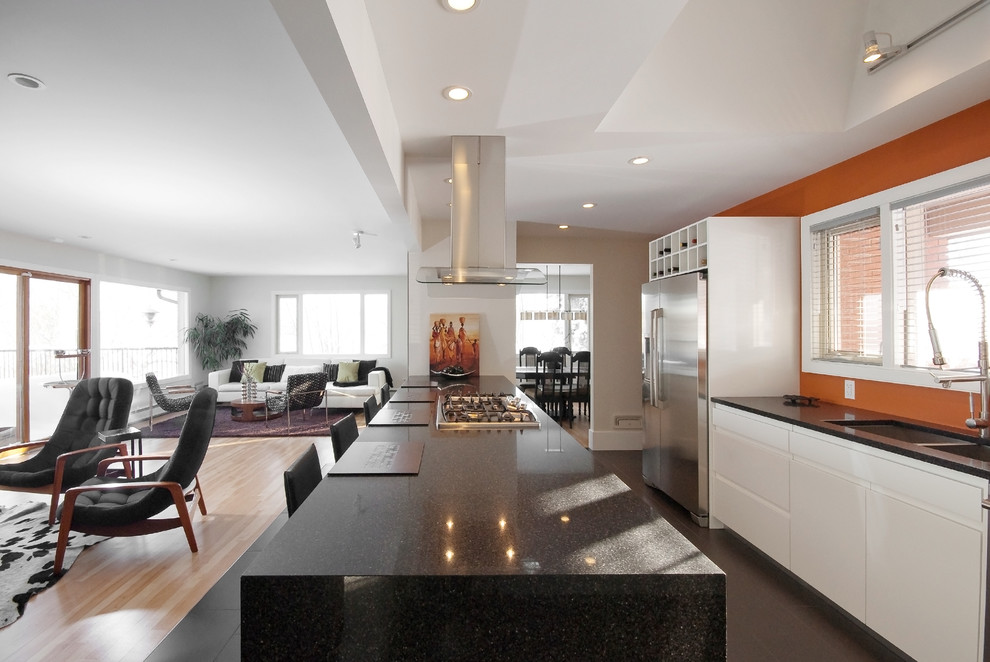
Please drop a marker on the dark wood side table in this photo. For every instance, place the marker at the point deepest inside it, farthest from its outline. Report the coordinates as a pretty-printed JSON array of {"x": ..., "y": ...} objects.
[{"x": 131, "y": 434}]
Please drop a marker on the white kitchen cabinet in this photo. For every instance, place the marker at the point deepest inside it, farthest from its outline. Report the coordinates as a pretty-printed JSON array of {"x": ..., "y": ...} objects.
[
  {"x": 750, "y": 483},
  {"x": 828, "y": 535},
  {"x": 898, "y": 543},
  {"x": 923, "y": 586}
]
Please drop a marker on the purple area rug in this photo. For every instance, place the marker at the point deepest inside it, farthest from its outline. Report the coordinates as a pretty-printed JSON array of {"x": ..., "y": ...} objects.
[{"x": 315, "y": 424}]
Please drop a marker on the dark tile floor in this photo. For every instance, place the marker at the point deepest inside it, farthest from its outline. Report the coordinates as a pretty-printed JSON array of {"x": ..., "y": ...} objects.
[{"x": 771, "y": 615}]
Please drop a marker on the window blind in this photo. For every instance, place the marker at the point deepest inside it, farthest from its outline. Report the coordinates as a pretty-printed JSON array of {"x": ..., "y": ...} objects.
[
  {"x": 846, "y": 290},
  {"x": 948, "y": 228}
]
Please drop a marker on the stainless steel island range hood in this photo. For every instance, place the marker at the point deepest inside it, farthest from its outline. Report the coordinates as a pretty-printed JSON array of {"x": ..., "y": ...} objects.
[{"x": 477, "y": 219}]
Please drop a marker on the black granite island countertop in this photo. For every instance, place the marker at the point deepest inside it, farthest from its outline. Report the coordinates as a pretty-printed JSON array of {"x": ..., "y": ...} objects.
[
  {"x": 508, "y": 544},
  {"x": 817, "y": 418}
]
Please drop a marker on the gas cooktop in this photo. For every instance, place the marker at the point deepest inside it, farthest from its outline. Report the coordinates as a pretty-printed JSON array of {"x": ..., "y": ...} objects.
[{"x": 484, "y": 411}]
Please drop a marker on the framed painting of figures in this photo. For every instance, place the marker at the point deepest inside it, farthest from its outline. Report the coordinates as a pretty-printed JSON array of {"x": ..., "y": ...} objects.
[{"x": 455, "y": 343}]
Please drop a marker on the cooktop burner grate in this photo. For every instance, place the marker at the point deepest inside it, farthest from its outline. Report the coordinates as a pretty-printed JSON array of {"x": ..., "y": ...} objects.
[{"x": 484, "y": 411}]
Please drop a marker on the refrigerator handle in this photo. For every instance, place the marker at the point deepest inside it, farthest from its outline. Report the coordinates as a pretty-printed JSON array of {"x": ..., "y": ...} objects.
[{"x": 656, "y": 363}]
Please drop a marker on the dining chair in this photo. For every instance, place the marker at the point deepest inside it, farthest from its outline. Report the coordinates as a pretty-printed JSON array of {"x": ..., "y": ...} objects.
[
  {"x": 528, "y": 357},
  {"x": 565, "y": 355},
  {"x": 581, "y": 384},
  {"x": 553, "y": 387},
  {"x": 371, "y": 407},
  {"x": 301, "y": 478},
  {"x": 343, "y": 433},
  {"x": 386, "y": 394}
]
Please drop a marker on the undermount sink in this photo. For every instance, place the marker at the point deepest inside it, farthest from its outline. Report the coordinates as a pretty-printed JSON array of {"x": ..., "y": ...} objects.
[{"x": 915, "y": 434}]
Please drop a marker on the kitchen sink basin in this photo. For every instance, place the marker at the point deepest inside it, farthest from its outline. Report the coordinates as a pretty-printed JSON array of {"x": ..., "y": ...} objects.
[
  {"x": 967, "y": 449},
  {"x": 913, "y": 434}
]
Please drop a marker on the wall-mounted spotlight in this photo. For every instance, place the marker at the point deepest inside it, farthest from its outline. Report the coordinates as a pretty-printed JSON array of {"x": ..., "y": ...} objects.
[
  {"x": 873, "y": 51},
  {"x": 357, "y": 234}
]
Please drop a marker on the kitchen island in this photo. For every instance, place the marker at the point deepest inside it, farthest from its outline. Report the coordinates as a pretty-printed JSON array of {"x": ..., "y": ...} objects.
[{"x": 507, "y": 544}]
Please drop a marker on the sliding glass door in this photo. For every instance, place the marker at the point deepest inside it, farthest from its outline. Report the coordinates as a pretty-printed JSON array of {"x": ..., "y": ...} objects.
[
  {"x": 44, "y": 345},
  {"x": 9, "y": 424}
]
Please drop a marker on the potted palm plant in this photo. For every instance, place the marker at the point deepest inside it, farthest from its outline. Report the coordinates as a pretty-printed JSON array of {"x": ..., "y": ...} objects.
[{"x": 218, "y": 340}]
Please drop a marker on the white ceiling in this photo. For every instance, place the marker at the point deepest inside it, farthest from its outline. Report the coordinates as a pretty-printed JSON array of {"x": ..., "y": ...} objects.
[{"x": 255, "y": 136}]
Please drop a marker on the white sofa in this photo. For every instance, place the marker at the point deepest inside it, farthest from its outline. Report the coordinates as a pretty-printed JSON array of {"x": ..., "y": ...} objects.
[{"x": 337, "y": 397}]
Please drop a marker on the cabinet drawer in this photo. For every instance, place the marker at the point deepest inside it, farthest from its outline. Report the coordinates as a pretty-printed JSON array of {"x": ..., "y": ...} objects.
[
  {"x": 755, "y": 467},
  {"x": 756, "y": 428},
  {"x": 759, "y": 522},
  {"x": 950, "y": 493}
]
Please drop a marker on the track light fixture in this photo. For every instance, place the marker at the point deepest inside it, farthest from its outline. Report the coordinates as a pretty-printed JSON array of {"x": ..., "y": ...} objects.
[
  {"x": 873, "y": 51},
  {"x": 357, "y": 234}
]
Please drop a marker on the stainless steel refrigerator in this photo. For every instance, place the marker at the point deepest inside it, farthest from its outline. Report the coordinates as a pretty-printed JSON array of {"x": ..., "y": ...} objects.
[{"x": 675, "y": 390}]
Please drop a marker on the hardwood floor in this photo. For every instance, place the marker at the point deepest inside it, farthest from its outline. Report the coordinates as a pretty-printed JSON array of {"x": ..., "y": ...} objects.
[{"x": 122, "y": 596}]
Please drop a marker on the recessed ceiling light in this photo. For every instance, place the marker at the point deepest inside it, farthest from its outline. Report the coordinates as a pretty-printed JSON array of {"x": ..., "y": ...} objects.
[
  {"x": 563, "y": 227},
  {"x": 24, "y": 80},
  {"x": 639, "y": 160},
  {"x": 456, "y": 93},
  {"x": 459, "y": 5},
  {"x": 449, "y": 180},
  {"x": 589, "y": 205},
  {"x": 56, "y": 240}
]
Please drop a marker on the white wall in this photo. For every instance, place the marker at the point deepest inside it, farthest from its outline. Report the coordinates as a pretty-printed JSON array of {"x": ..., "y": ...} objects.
[
  {"x": 619, "y": 268},
  {"x": 256, "y": 294}
]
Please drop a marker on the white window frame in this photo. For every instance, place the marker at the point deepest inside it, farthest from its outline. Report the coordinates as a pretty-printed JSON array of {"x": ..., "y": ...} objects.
[
  {"x": 300, "y": 331},
  {"x": 888, "y": 370}
]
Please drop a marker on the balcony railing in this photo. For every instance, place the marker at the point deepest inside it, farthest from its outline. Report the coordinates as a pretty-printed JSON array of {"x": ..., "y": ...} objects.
[{"x": 132, "y": 362}]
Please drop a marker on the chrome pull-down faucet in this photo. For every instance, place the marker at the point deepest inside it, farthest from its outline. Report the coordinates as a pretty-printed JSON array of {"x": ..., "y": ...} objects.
[{"x": 983, "y": 422}]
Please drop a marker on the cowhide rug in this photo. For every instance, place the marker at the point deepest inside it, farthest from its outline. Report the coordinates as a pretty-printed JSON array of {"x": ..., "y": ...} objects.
[{"x": 27, "y": 556}]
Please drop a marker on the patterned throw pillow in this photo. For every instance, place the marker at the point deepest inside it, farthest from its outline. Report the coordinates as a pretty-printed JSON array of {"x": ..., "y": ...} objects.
[
  {"x": 330, "y": 369},
  {"x": 273, "y": 373}
]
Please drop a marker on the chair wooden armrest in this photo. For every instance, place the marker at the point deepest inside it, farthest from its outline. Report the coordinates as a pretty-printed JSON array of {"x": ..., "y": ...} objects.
[
  {"x": 60, "y": 471},
  {"x": 26, "y": 445},
  {"x": 179, "y": 388}
]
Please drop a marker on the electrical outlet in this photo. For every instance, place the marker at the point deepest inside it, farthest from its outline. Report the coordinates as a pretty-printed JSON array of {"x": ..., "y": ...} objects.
[{"x": 850, "y": 389}]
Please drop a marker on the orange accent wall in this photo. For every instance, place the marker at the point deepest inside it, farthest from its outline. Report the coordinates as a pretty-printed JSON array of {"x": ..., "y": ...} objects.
[{"x": 954, "y": 141}]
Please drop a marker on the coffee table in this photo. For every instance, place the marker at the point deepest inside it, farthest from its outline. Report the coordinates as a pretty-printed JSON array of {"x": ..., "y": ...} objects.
[{"x": 249, "y": 411}]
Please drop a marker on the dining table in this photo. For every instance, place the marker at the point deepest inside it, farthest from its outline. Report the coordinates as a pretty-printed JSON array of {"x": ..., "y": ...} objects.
[{"x": 500, "y": 544}]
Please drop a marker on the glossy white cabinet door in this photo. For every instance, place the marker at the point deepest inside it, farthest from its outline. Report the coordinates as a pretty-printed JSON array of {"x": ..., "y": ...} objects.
[
  {"x": 922, "y": 590},
  {"x": 750, "y": 489},
  {"x": 828, "y": 535}
]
